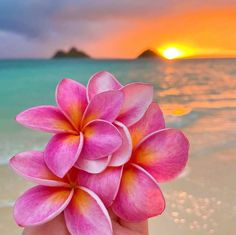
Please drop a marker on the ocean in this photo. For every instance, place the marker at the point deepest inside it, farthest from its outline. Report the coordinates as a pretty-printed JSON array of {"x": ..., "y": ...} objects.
[{"x": 197, "y": 96}]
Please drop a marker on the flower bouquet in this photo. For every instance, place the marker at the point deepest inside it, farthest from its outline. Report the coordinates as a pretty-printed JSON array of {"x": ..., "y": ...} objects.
[{"x": 109, "y": 150}]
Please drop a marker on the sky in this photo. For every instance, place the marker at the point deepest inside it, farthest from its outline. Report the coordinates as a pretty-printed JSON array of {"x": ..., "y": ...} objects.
[{"x": 117, "y": 29}]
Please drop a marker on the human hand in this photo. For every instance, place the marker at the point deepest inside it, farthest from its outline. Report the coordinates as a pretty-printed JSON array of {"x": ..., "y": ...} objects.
[
  {"x": 57, "y": 227},
  {"x": 121, "y": 227}
]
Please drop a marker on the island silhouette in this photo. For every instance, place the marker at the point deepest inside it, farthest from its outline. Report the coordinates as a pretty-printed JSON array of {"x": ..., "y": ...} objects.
[
  {"x": 75, "y": 53},
  {"x": 149, "y": 54},
  {"x": 72, "y": 53}
]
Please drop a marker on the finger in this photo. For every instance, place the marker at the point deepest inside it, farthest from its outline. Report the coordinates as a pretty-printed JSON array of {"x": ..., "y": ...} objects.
[
  {"x": 112, "y": 214},
  {"x": 56, "y": 226},
  {"x": 140, "y": 227}
]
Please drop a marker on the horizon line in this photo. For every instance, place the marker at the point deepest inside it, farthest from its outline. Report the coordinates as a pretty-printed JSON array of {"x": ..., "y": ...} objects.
[{"x": 124, "y": 58}]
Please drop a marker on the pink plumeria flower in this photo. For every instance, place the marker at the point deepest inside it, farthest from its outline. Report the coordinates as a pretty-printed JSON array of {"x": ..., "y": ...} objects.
[
  {"x": 84, "y": 212},
  {"x": 158, "y": 155},
  {"x": 82, "y": 129},
  {"x": 84, "y": 136},
  {"x": 137, "y": 98}
]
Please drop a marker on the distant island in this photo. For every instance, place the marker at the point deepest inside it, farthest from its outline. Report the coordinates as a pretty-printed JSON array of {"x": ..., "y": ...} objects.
[
  {"x": 72, "y": 53},
  {"x": 149, "y": 54},
  {"x": 75, "y": 53}
]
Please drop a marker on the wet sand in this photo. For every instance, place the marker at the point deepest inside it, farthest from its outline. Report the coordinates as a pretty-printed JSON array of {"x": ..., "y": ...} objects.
[{"x": 11, "y": 187}]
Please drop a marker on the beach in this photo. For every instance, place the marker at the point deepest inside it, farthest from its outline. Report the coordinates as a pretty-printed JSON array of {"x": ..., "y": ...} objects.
[{"x": 197, "y": 96}]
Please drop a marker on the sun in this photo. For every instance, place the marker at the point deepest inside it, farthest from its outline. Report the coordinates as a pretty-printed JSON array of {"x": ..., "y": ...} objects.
[
  {"x": 176, "y": 50},
  {"x": 172, "y": 53}
]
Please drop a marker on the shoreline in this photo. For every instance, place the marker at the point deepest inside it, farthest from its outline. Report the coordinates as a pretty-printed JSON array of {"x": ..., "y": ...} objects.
[{"x": 8, "y": 195}]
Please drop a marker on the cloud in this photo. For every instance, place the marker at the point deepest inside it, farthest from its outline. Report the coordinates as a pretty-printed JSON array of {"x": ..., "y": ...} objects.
[
  {"x": 35, "y": 18},
  {"x": 51, "y": 24},
  {"x": 28, "y": 18}
]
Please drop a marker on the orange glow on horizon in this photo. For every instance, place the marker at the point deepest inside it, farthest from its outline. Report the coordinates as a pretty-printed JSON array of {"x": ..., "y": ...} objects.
[{"x": 204, "y": 32}]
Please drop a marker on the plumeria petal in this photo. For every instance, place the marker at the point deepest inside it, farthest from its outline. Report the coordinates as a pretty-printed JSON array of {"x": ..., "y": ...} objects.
[
  {"x": 87, "y": 215},
  {"x": 72, "y": 100},
  {"x": 31, "y": 165},
  {"x": 41, "y": 204},
  {"x": 93, "y": 166},
  {"x": 45, "y": 118},
  {"x": 123, "y": 154},
  {"x": 151, "y": 121},
  {"x": 138, "y": 96},
  {"x": 104, "y": 184},
  {"x": 104, "y": 106},
  {"x": 100, "y": 82},
  {"x": 139, "y": 196},
  {"x": 163, "y": 154},
  {"x": 62, "y": 152},
  {"x": 101, "y": 138}
]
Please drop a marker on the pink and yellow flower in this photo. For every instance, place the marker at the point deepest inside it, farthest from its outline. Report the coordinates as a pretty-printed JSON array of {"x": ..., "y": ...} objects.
[
  {"x": 83, "y": 211},
  {"x": 158, "y": 154},
  {"x": 116, "y": 136},
  {"x": 137, "y": 98},
  {"x": 89, "y": 127}
]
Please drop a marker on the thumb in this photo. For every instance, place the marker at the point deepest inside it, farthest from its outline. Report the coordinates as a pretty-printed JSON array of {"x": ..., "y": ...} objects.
[
  {"x": 56, "y": 226},
  {"x": 139, "y": 227}
]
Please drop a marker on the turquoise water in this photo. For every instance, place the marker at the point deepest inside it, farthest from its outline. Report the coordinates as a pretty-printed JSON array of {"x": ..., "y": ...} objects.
[
  {"x": 198, "y": 96},
  {"x": 191, "y": 87}
]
